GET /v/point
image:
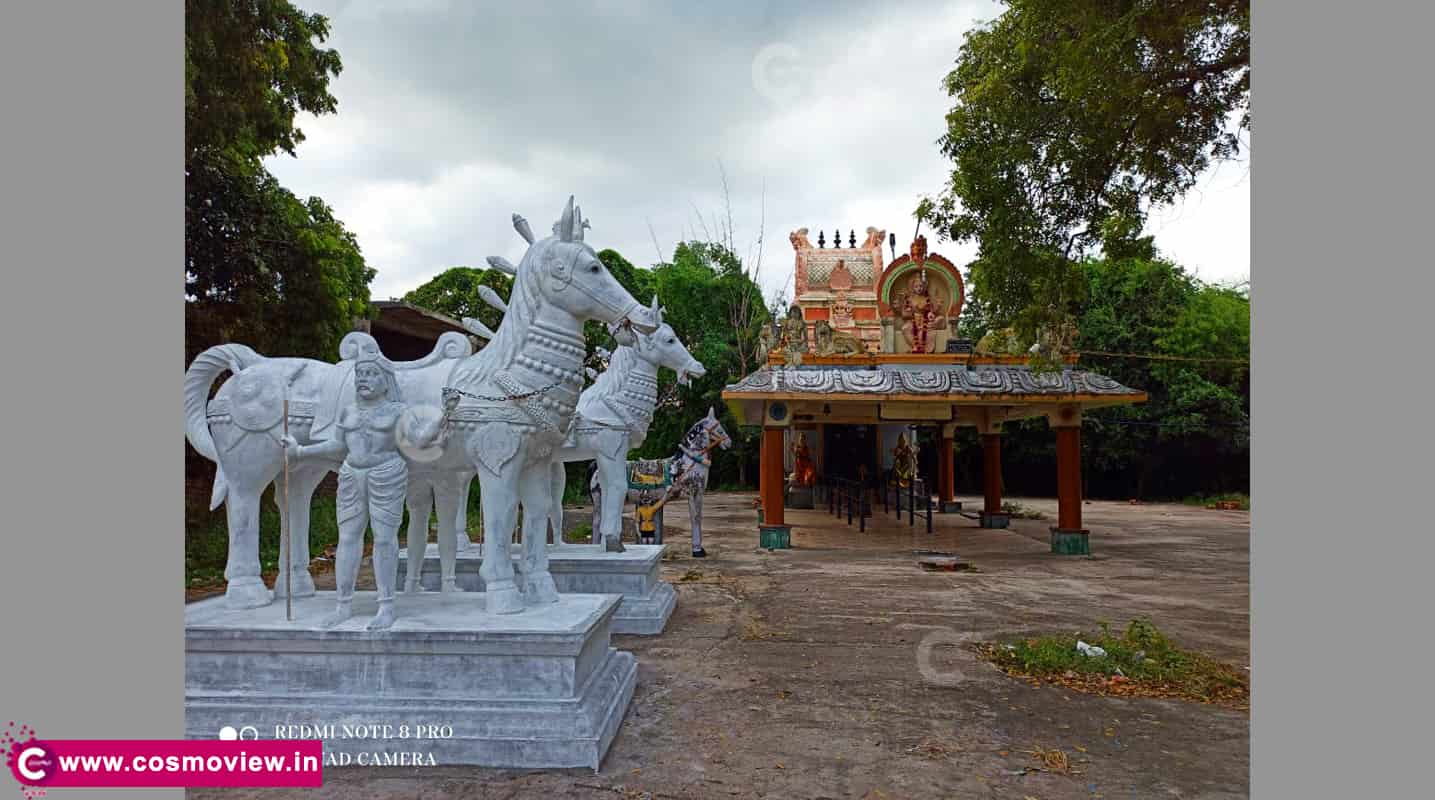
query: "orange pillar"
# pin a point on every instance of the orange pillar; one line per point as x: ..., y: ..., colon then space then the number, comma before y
x: 1068, y: 478
x: 770, y: 481
x: 992, y: 473
x: 945, y: 481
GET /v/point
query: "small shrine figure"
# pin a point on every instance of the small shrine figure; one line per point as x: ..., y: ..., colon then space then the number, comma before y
x: 841, y: 311
x: 794, y: 336
x: 373, y: 481
x: 904, y: 461
x: 803, y: 471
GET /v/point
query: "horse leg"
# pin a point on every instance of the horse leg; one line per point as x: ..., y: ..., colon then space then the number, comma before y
x: 500, y: 514
x: 595, y: 498
x: 246, y: 589
x: 450, y: 492
x: 695, y: 516
x: 461, y: 525
x: 420, y: 502
x: 558, y: 483
x: 302, y: 483
x: 536, y: 496
x: 613, y: 479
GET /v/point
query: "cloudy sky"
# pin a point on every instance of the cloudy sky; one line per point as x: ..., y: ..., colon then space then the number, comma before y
x: 454, y: 115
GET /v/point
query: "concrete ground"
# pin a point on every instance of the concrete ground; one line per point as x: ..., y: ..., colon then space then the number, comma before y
x: 840, y: 669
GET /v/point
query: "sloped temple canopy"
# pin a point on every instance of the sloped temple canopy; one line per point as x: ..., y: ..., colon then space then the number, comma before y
x: 889, y: 393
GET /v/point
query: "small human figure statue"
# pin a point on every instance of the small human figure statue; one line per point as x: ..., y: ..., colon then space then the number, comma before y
x: 373, y: 481
x: 904, y: 461
x: 803, y: 472
x: 794, y: 336
x: 919, y: 315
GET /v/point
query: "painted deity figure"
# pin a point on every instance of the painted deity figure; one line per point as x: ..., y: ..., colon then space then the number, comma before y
x: 373, y: 481
x: 920, y: 315
x: 803, y: 472
x: 841, y: 311
x: 904, y: 461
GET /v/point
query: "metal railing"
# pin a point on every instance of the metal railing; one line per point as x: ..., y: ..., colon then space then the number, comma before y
x: 847, y: 496
x: 918, y: 496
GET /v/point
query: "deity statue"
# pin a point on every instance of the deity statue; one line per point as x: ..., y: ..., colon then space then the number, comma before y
x: 920, y: 315
x: 841, y: 310
x: 904, y: 461
x: 803, y: 472
x: 794, y: 336
x: 373, y: 481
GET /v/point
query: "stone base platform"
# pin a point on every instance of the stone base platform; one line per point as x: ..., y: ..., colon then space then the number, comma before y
x: 997, y: 519
x: 799, y: 497
x: 647, y: 600
x: 447, y: 684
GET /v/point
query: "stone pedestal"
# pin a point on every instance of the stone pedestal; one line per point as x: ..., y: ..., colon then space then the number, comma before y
x: 799, y: 497
x: 1070, y: 542
x: 647, y: 600
x: 951, y: 507
x: 994, y: 519
x: 447, y: 684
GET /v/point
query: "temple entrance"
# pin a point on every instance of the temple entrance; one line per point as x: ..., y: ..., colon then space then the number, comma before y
x: 846, y: 448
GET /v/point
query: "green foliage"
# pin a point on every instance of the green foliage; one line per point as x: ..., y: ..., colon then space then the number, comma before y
x: 206, y: 539
x: 261, y: 266
x: 455, y: 292
x: 1141, y: 653
x: 248, y: 69
x: 1073, y: 117
x: 1192, y: 434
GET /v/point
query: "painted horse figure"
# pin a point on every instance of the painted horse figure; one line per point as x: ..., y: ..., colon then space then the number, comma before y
x: 613, y: 418
x: 683, y: 474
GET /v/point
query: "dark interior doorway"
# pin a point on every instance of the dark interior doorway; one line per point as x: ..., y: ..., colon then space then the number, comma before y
x: 846, y: 448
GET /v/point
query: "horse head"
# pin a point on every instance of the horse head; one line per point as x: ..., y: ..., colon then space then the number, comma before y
x: 663, y: 348
x: 709, y: 431
x: 565, y: 272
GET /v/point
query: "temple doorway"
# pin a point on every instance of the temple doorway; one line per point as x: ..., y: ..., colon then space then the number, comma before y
x: 846, y: 448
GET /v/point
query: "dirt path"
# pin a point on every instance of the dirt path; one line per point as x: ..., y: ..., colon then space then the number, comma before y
x: 795, y: 674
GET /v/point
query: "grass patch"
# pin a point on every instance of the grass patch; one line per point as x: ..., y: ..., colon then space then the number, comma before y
x: 1210, y: 500
x: 1139, y: 661
x: 582, y: 533
x: 1019, y: 511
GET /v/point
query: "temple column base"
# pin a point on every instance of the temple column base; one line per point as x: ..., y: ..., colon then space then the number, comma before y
x: 1070, y: 541
x: 950, y: 507
x: 994, y: 519
x: 774, y: 537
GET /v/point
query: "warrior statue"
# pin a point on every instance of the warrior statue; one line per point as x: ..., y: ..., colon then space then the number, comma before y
x: 373, y: 481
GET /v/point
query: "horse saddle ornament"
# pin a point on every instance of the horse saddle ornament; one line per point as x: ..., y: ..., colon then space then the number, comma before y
x: 258, y: 401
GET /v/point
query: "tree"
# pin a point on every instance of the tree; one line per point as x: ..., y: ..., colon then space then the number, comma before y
x: 455, y: 292
x: 249, y: 67
x: 261, y: 266
x: 1072, y: 118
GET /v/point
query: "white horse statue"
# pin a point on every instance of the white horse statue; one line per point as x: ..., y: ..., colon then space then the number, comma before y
x: 509, y: 408
x: 684, y: 474
x: 241, y: 428
x: 613, y: 418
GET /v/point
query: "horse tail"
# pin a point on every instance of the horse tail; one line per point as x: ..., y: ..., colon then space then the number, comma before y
x: 197, y: 381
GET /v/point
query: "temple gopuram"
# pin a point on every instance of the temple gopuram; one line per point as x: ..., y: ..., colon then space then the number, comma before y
x: 868, y: 358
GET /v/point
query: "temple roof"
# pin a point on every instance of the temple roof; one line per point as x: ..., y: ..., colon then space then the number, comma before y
x: 928, y: 384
